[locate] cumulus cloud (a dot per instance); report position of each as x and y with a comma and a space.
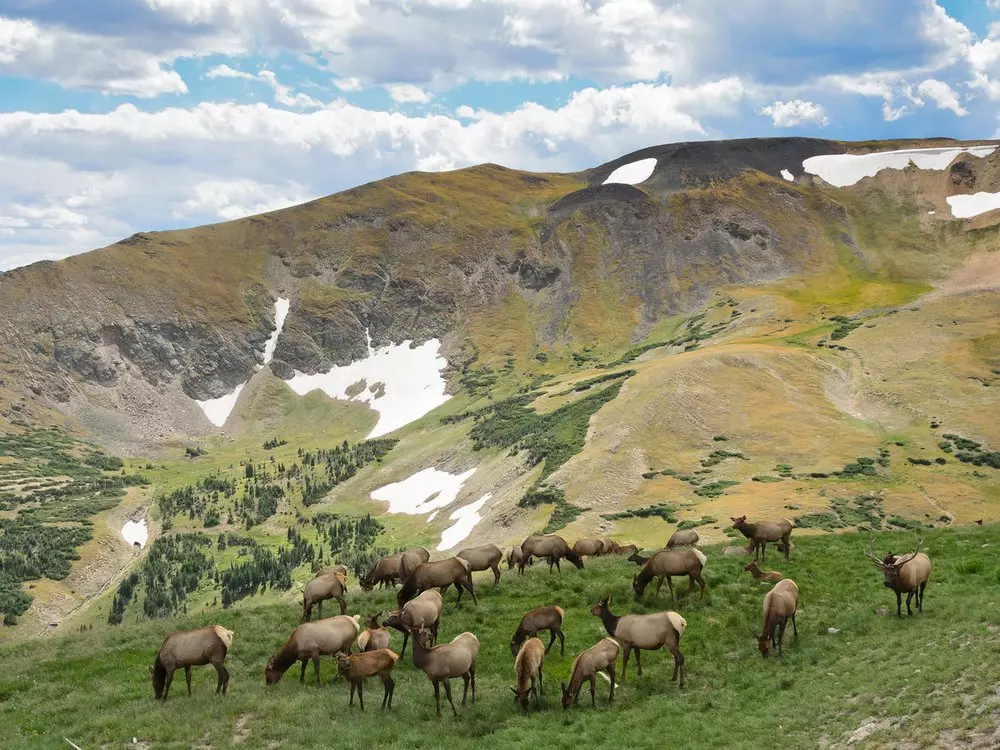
793, 113
405, 93
941, 94
283, 95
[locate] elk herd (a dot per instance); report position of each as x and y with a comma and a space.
420, 603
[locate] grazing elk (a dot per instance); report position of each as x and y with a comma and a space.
611, 547
338, 568
779, 606
638, 558
627, 550
514, 557
439, 574
442, 662
191, 648
552, 547
668, 563
374, 636
685, 538
310, 641
588, 547
537, 620
485, 557
762, 532
527, 666
600, 657
357, 668
383, 573
648, 632
321, 588
770, 576
423, 611
904, 574
410, 560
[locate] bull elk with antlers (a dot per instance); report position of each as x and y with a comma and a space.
904, 574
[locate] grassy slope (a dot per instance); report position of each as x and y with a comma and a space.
93, 688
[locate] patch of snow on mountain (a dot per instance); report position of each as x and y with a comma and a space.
632, 173
280, 313
841, 170
411, 383
465, 519
423, 492
966, 206
218, 409
787, 175
135, 532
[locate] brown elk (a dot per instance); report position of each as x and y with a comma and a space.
637, 557
423, 611
374, 636
485, 557
514, 557
600, 657
668, 563
310, 641
321, 588
627, 550
439, 574
904, 574
527, 666
588, 547
442, 662
410, 560
771, 576
648, 632
357, 668
780, 605
611, 547
762, 532
383, 573
551, 547
684, 538
536, 621
191, 648
338, 568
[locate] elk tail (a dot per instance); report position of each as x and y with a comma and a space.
678, 622
701, 557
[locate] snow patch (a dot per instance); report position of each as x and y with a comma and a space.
280, 313
136, 532
422, 492
632, 173
841, 170
410, 380
465, 519
966, 206
218, 409
787, 175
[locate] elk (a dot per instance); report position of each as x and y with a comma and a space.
374, 636
628, 550
537, 620
551, 547
668, 563
904, 573
338, 568
486, 557
649, 632
410, 560
442, 662
685, 538
588, 547
321, 588
779, 605
384, 573
439, 574
357, 668
191, 648
311, 640
600, 657
762, 575
611, 547
638, 558
422, 612
762, 532
514, 557
527, 665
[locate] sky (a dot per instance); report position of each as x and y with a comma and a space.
121, 116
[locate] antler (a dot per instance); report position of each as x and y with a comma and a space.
868, 552
904, 560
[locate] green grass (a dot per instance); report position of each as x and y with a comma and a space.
93, 688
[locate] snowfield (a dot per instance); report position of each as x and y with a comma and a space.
966, 206
842, 170
787, 175
280, 313
632, 173
423, 492
218, 409
465, 519
135, 532
411, 383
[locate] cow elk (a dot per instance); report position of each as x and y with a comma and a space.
685, 538
551, 547
321, 588
600, 657
374, 636
627, 550
310, 641
439, 574
536, 621
668, 563
410, 560
588, 547
447, 660
383, 573
191, 648
646, 632
764, 576
762, 532
486, 557
356, 668
904, 574
422, 612
528, 666
780, 605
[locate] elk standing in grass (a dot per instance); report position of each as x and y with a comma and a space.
514, 557
383, 573
685, 538
192, 648
442, 662
527, 665
338, 568
598, 658
780, 605
767, 576
537, 620
904, 574
649, 632
311, 640
588, 547
422, 612
439, 574
485, 557
374, 636
668, 563
357, 668
762, 532
611, 547
552, 547
321, 588
410, 560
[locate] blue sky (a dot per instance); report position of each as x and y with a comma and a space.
129, 115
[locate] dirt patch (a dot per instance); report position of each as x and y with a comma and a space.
979, 273
241, 730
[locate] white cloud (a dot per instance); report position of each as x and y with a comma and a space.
793, 113
405, 93
233, 199
941, 94
283, 95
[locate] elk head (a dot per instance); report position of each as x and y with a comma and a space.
638, 586
343, 663
522, 696
567, 699
763, 644
601, 607
272, 675
891, 564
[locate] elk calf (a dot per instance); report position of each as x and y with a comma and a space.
374, 636
537, 620
904, 574
763, 575
191, 648
357, 668
780, 605
527, 665
600, 657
